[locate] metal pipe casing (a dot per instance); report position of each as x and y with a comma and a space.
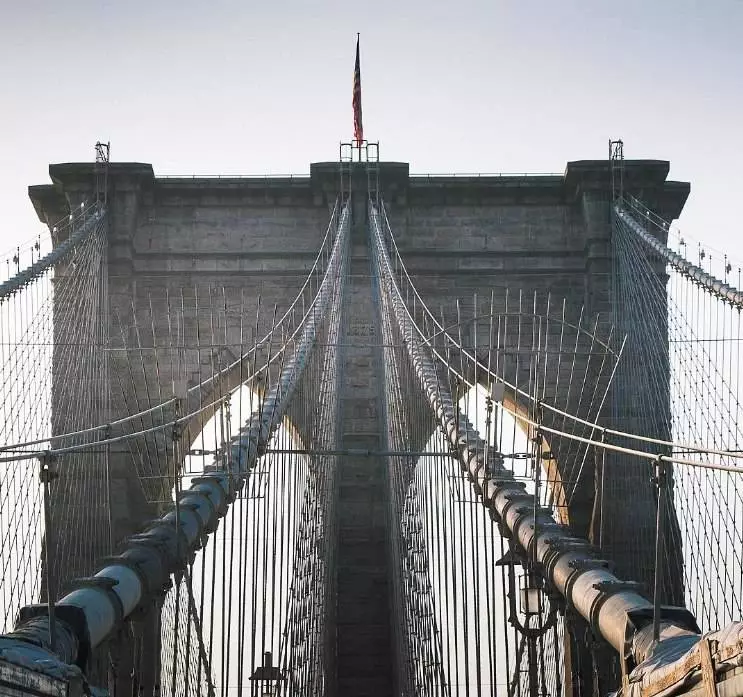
128, 586
191, 522
561, 567
203, 507
214, 492
613, 618
151, 567
100, 614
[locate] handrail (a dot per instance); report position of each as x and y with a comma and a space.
720, 289
482, 175
23, 278
298, 177
636, 205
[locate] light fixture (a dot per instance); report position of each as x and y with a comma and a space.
530, 594
266, 678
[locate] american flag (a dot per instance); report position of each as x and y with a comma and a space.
358, 127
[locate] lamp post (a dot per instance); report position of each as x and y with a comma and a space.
533, 602
267, 678
530, 593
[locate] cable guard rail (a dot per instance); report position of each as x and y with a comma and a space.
715, 286
92, 217
614, 609
52, 655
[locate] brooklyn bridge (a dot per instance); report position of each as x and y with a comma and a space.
364, 432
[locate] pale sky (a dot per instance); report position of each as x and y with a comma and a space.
243, 87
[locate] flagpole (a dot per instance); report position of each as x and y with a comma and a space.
357, 111
358, 42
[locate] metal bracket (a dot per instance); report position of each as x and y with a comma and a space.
569, 544
551, 526
618, 586
669, 613
523, 510
46, 474
103, 582
587, 564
